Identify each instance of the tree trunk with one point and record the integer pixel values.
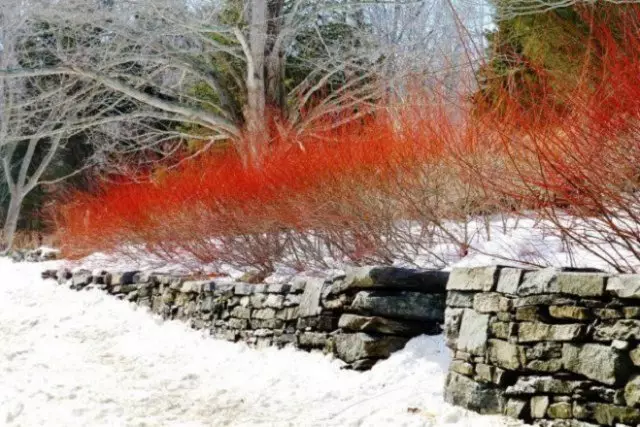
(255, 109)
(274, 57)
(11, 221)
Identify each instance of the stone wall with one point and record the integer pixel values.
(361, 316)
(555, 347)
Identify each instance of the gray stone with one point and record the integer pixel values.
(544, 350)
(264, 313)
(632, 391)
(426, 281)
(544, 300)
(312, 339)
(569, 312)
(631, 312)
(608, 414)
(608, 313)
(192, 286)
(484, 372)
(460, 299)
(506, 355)
(537, 331)
(238, 323)
(543, 385)
(352, 347)
(624, 329)
(243, 289)
(81, 278)
(274, 301)
(624, 285)
(509, 280)
(266, 323)
(528, 313)
(560, 410)
(310, 300)
(580, 284)
(539, 405)
(278, 288)
(241, 312)
(291, 300)
(452, 319)
(516, 408)
(461, 367)
(479, 397)
(473, 279)
(288, 313)
(406, 305)
(597, 362)
(285, 339)
(499, 330)
(488, 302)
(635, 356)
(325, 322)
(537, 282)
(545, 366)
(473, 333)
(257, 300)
(354, 322)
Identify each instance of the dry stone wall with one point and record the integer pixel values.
(361, 316)
(555, 347)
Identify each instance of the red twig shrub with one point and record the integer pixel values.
(383, 187)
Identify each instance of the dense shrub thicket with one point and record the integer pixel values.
(388, 186)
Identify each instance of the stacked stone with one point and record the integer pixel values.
(381, 308)
(556, 347)
(361, 316)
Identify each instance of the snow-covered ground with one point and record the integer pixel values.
(85, 359)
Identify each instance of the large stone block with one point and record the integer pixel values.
(426, 281)
(580, 284)
(479, 397)
(473, 334)
(490, 302)
(632, 391)
(506, 355)
(310, 300)
(509, 280)
(537, 282)
(539, 406)
(597, 362)
(381, 325)
(352, 347)
(458, 299)
(544, 385)
(624, 329)
(405, 305)
(473, 279)
(610, 415)
(537, 331)
(624, 285)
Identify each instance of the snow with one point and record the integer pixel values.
(86, 359)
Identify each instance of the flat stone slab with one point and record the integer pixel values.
(624, 285)
(405, 305)
(596, 361)
(473, 279)
(479, 397)
(473, 334)
(352, 347)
